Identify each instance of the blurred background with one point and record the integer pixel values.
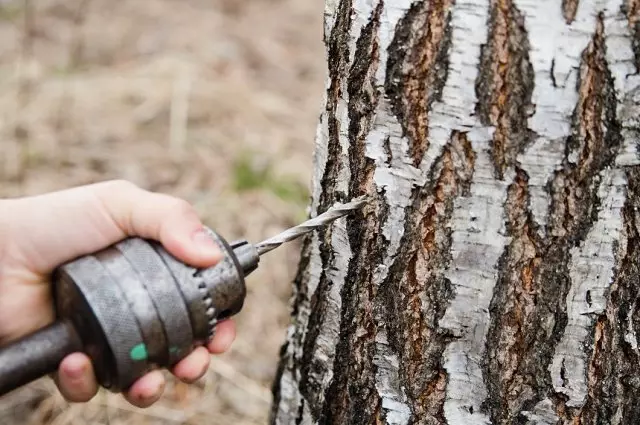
(214, 101)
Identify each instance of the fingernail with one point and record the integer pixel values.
(205, 243)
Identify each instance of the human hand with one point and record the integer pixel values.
(39, 233)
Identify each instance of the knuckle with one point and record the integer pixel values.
(121, 185)
(114, 187)
(181, 207)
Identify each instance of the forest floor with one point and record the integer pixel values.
(214, 101)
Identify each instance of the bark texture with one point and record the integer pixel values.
(493, 277)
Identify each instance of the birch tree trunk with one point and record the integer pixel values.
(494, 277)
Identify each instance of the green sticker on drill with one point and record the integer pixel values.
(139, 352)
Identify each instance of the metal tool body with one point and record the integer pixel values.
(133, 307)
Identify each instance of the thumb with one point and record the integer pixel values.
(54, 228)
(171, 221)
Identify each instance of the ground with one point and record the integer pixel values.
(215, 101)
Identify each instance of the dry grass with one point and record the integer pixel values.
(214, 101)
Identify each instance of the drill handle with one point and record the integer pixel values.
(36, 355)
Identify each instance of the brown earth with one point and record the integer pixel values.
(215, 101)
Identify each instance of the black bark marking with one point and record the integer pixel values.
(528, 310)
(300, 296)
(387, 150)
(505, 83)
(417, 69)
(613, 378)
(631, 8)
(418, 274)
(563, 373)
(569, 9)
(512, 309)
(366, 244)
(338, 62)
(363, 99)
(300, 416)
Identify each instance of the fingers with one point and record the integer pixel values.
(76, 381)
(223, 338)
(75, 378)
(146, 390)
(195, 365)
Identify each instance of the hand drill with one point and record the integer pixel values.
(133, 307)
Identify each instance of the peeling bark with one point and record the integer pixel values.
(490, 280)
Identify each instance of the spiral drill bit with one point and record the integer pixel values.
(330, 215)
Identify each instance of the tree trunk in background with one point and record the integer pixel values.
(494, 277)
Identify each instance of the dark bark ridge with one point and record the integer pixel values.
(631, 8)
(613, 369)
(528, 312)
(512, 310)
(505, 83)
(349, 399)
(416, 288)
(569, 9)
(338, 60)
(417, 69)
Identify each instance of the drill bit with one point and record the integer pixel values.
(330, 215)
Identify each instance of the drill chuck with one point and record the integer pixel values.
(131, 308)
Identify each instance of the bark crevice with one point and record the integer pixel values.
(505, 84)
(417, 69)
(569, 9)
(529, 308)
(513, 309)
(631, 8)
(417, 290)
(338, 62)
(615, 359)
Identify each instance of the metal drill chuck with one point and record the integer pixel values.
(131, 308)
